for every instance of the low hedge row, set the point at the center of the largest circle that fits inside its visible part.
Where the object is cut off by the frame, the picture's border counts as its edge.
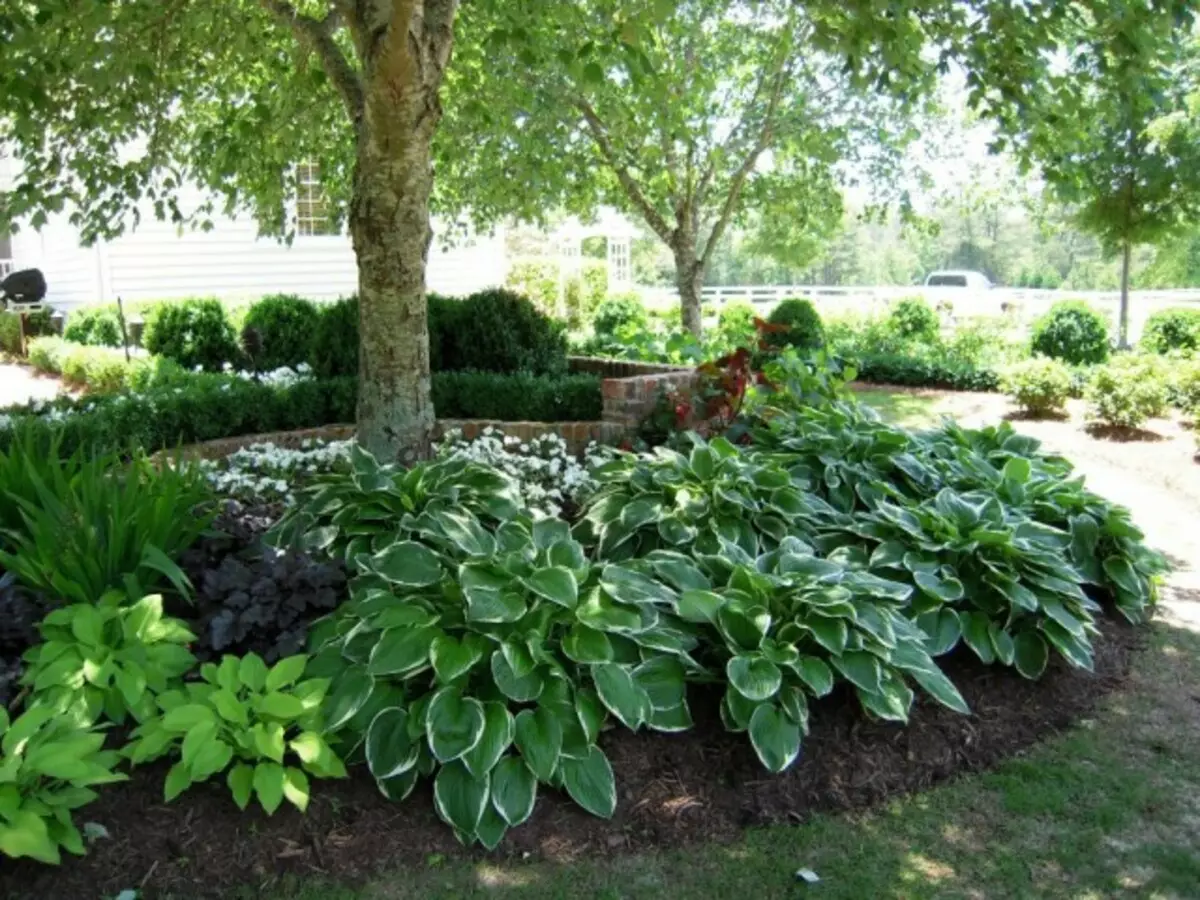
(909, 371)
(204, 407)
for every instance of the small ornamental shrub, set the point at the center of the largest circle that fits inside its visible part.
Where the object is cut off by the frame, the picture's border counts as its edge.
(499, 331)
(1073, 332)
(1185, 385)
(618, 313)
(48, 354)
(1172, 329)
(1038, 386)
(49, 764)
(196, 333)
(805, 331)
(98, 326)
(333, 349)
(735, 325)
(1127, 391)
(914, 319)
(284, 325)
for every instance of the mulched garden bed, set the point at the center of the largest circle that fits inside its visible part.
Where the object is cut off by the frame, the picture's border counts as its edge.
(704, 785)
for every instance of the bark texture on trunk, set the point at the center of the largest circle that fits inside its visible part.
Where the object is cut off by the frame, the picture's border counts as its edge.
(1123, 324)
(689, 279)
(403, 64)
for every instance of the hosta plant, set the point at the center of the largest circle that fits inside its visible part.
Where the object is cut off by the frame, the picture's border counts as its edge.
(688, 502)
(491, 661)
(369, 507)
(789, 626)
(49, 763)
(259, 725)
(108, 658)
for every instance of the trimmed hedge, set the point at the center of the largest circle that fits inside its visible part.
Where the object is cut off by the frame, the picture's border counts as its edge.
(909, 371)
(1177, 328)
(518, 397)
(193, 332)
(99, 326)
(282, 327)
(805, 330)
(1073, 332)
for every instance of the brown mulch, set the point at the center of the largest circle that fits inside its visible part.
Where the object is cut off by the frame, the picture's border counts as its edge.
(703, 785)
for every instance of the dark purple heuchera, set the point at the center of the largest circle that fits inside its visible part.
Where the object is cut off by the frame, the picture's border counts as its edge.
(250, 597)
(19, 617)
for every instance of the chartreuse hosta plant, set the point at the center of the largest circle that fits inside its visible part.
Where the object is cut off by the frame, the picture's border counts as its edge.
(491, 659)
(790, 626)
(260, 726)
(108, 658)
(49, 763)
(690, 502)
(369, 508)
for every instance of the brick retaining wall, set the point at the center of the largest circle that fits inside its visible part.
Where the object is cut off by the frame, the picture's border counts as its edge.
(620, 368)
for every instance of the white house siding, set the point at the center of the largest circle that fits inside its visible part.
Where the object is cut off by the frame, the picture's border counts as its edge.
(158, 261)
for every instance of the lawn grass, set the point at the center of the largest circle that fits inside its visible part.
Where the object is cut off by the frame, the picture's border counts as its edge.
(1109, 809)
(904, 408)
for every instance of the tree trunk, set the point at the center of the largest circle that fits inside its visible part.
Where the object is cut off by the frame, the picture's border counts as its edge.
(389, 224)
(1123, 324)
(689, 279)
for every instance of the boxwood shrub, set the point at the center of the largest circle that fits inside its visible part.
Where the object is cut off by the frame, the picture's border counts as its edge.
(1177, 328)
(1073, 332)
(805, 330)
(518, 397)
(283, 326)
(196, 332)
(912, 371)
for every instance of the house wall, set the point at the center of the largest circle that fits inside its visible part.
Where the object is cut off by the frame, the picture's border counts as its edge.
(158, 261)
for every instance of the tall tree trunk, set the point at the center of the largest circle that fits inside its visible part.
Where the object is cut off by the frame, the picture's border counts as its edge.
(1123, 324)
(689, 279)
(389, 224)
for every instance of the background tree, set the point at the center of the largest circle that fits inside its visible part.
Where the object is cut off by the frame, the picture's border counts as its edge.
(114, 109)
(1087, 134)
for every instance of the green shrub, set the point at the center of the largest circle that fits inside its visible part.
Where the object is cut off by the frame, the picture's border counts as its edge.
(444, 315)
(40, 323)
(1172, 329)
(1127, 391)
(1073, 332)
(735, 326)
(100, 523)
(913, 319)
(48, 354)
(334, 347)
(196, 333)
(914, 371)
(593, 278)
(98, 326)
(50, 763)
(1185, 384)
(284, 325)
(100, 369)
(1038, 386)
(499, 331)
(10, 333)
(519, 397)
(618, 313)
(538, 280)
(805, 331)
(262, 725)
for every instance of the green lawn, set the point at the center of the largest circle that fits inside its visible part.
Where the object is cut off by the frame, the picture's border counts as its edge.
(1110, 809)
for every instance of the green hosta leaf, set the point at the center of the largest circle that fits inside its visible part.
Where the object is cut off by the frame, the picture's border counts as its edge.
(491, 828)
(241, 784)
(1077, 652)
(743, 628)
(280, 705)
(1017, 470)
(495, 606)
(1002, 643)
(268, 784)
(701, 463)
(601, 613)
(453, 659)
(514, 790)
(816, 674)
(549, 531)
(286, 672)
(892, 702)
(1015, 593)
(519, 658)
(946, 589)
(679, 571)
(568, 554)
(453, 724)
(832, 634)
(252, 672)
(775, 737)
(295, 788)
(400, 786)
(1053, 607)
(539, 737)
(975, 632)
(917, 663)
(1030, 654)
(497, 735)
(1122, 574)
(640, 512)
(942, 630)
(632, 587)
(390, 747)
(268, 740)
(349, 695)
(401, 651)
(519, 689)
(591, 713)
(590, 782)
(621, 694)
(861, 668)
(460, 797)
(699, 606)
(28, 835)
(888, 555)
(754, 677)
(408, 563)
(556, 584)
(662, 678)
(587, 645)
(465, 532)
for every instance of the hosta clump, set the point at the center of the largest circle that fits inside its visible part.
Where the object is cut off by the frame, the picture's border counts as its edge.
(490, 659)
(108, 657)
(669, 500)
(49, 764)
(261, 724)
(263, 601)
(789, 625)
(369, 507)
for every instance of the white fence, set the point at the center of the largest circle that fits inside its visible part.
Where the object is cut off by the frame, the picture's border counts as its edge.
(1024, 304)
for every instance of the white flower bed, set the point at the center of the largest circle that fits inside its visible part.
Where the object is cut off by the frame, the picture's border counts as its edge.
(547, 475)
(268, 472)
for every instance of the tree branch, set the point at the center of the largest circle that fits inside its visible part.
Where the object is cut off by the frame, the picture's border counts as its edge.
(600, 135)
(318, 35)
(747, 166)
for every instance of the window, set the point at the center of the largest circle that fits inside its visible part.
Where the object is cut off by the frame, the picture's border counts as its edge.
(312, 209)
(947, 281)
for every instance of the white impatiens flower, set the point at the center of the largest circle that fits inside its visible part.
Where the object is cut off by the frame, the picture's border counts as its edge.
(267, 472)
